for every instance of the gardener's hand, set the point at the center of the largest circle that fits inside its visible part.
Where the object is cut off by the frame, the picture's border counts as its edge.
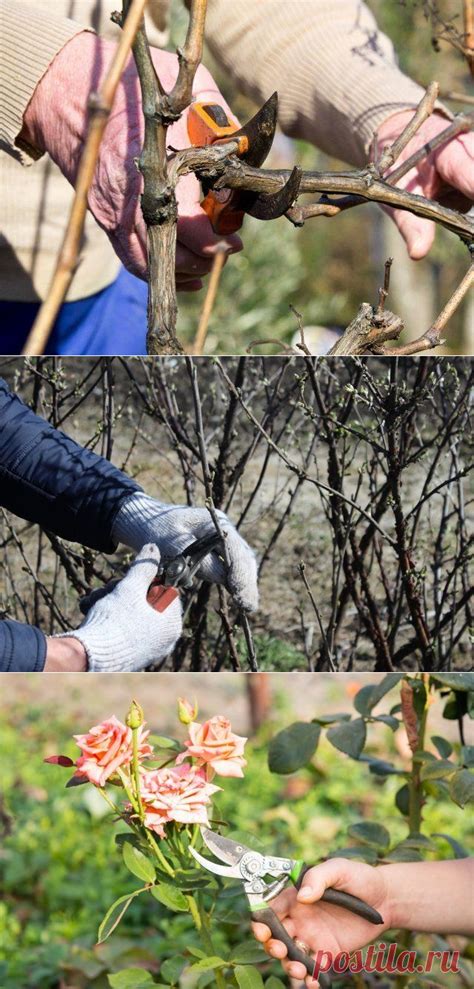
(56, 122)
(121, 631)
(142, 519)
(446, 175)
(321, 926)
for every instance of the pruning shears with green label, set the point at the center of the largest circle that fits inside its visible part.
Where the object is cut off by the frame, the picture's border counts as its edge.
(263, 878)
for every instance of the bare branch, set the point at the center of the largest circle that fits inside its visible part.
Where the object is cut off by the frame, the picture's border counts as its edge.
(432, 338)
(424, 110)
(217, 268)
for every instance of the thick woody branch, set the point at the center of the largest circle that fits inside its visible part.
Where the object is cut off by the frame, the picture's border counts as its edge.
(368, 332)
(158, 201)
(219, 166)
(373, 328)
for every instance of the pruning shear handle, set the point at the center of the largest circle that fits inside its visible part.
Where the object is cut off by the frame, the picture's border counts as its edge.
(264, 914)
(208, 123)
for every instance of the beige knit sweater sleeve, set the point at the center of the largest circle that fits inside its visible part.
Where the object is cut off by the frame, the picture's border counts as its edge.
(29, 39)
(335, 72)
(32, 32)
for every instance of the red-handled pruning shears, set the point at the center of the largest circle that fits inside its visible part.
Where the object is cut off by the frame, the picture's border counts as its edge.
(179, 571)
(208, 123)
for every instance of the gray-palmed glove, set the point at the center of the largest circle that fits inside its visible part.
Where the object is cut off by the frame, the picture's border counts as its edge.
(121, 631)
(142, 519)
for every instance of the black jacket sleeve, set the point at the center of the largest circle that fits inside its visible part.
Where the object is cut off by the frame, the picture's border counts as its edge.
(46, 477)
(22, 648)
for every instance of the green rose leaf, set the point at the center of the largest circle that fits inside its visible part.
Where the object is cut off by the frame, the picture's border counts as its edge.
(138, 863)
(349, 737)
(274, 983)
(402, 798)
(164, 742)
(293, 747)
(442, 745)
(461, 787)
(207, 964)
(457, 681)
(170, 897)
(370, 833)
(131, 978)
(363, 700)
(114, 915)
(362, 853)
(467, 755)
(331, 719)
(388, 719)
(388, 683)
(458, 849)
(379, 767)
(404, 853)
(417, 840)
(248, 977)
(437, 769)
(171, 969)
(248, 953)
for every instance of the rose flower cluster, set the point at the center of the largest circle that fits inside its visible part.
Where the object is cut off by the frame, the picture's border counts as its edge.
(181, 792)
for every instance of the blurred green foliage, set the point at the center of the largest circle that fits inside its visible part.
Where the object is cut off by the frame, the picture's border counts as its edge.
(61, 868)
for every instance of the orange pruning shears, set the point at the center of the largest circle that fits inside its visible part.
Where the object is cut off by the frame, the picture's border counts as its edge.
(208, 123)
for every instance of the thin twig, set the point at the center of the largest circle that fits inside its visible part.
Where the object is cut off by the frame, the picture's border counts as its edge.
(461, 125)
(468, 17)
(217, 268)
(425, 108)
(432, 338)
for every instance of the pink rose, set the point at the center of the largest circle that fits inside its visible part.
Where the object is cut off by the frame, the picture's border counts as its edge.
(106, 747)
(214, 744)
(177, 793)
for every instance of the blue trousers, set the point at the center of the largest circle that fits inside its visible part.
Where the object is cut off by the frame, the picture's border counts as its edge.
(111, 322)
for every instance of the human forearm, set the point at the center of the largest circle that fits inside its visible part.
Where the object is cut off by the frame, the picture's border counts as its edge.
(48, 478)
(436, 897)
(65, 655)
(335, 72)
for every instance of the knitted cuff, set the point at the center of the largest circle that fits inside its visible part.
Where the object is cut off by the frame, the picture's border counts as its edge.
(135, 513)
(31, 38)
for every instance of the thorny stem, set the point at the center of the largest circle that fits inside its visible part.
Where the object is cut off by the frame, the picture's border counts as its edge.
(158, 853)
(136, 772)
(207, 939)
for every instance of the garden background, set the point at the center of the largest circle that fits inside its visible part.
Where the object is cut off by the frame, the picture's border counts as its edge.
(61, 869)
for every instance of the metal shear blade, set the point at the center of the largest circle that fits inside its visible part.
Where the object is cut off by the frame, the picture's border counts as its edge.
(180, 570)
(269, 207)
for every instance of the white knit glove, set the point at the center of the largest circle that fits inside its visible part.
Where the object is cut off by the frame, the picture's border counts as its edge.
(173, 528)
(121, 631)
